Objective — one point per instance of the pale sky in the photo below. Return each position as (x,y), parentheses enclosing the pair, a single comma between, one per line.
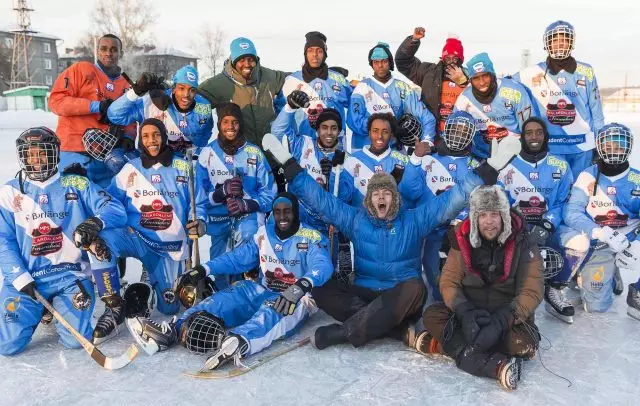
(608,32)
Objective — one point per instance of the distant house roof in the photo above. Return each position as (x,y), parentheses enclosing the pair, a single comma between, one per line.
(166,51)
(12,28)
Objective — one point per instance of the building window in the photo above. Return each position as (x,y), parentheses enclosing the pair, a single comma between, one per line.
(48,80)
(47,64)
(47,48)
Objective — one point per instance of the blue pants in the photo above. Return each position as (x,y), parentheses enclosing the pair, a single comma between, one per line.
(246,309)
(97,171)
(20,314)
(163,271)
(578,162)
(244,228)
(431,261)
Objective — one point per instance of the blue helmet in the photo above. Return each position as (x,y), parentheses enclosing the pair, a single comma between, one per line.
(559,30)
(614,133)
(459,130)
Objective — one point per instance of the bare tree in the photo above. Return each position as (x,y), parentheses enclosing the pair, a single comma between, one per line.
(128,19)
(5,64)
(210,48)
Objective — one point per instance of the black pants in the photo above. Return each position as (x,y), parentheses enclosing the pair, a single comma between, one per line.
(369,314)
(521,341)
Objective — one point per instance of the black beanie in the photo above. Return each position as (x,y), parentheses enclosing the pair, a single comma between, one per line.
(165,157)
(295,207)
(385,47)
(233,110)
(328,114)
(316,39)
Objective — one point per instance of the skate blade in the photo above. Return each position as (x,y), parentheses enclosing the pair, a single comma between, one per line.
(214,362)
(633,312)
(150,346)
(554,313)
(101,340)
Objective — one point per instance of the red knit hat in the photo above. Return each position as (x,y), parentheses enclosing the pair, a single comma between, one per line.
(453,46)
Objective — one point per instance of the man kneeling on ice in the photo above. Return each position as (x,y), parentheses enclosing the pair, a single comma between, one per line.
(387,242)
(491,285)
(248,316)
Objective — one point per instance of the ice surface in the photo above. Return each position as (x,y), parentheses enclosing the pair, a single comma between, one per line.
(599,353)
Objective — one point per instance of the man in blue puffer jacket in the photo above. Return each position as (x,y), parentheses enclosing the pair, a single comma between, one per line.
(387,290)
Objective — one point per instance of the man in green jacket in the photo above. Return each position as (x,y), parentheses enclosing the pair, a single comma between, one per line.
(249,85)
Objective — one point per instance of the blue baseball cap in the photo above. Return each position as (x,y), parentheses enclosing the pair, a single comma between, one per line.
(187,75)
(241,47)
(480,64)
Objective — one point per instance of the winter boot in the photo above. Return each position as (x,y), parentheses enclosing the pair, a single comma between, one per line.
(633,300)
(112,317)
(327,336)
(509,373)
(151,335)
(232,348)
(556,304)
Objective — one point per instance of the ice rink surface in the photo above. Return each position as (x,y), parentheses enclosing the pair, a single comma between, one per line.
(599,353)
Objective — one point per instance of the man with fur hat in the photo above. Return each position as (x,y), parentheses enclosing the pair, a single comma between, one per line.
(382,93)
(314,88)
(441,82)
(154,190)
(186,115)
(500,106)
(245,82)
(387,244)
(537,184)
(238,181)
(491,285)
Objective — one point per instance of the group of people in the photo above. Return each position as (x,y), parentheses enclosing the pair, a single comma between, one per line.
(484,191)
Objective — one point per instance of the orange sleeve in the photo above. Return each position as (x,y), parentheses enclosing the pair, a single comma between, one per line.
(64,100)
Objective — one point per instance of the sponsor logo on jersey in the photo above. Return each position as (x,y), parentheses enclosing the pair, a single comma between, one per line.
(180,165)
(302,246)
(562,80)
(181,179)
(46,239)
(534,176)
(556,175)
(17,203)
(508,106)
(11,306)
(453,167)
(279,280)
(168,295)
(43,199)
(510,94)
(252,161)
(611,190)
(486,108)
(335,87)
(156,216)
(634,178)
(71,196)
(562,113)
(581,83)
(378,168)
(508,178)
(204,109)
(317,86)
(81,301)
(228,159)
(635,192)
(385,95)
(131,180)
(585,71)
(76,181)
(278,247)
(156,178)
(109,87)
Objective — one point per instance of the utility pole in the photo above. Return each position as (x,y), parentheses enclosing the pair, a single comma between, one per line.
(21,39)
(524,59)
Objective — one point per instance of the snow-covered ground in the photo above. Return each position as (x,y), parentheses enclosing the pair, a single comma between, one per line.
(599,353)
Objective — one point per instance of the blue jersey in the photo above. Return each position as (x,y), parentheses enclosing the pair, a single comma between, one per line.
(184,129)
(36,227)
(282,262)
(333,92)
(537,190)
(569,103)
(361,166)
(215,166)
(615,203)
(396,97)
(503,116)
(158,204)
(440,173)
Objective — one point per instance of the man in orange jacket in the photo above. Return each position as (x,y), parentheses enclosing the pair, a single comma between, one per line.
(80,97)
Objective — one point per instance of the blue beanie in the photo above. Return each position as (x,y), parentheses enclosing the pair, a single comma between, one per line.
(241,47)
(379,52)
(480,64)
(187,75)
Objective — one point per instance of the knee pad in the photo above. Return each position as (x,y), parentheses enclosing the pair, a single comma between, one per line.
(596,282)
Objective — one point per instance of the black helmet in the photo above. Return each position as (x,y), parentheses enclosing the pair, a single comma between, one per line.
(38,151)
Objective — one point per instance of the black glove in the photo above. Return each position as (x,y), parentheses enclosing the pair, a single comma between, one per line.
(489,335)
(104,106)
(471,320)
(338,157)
(239,207)
(101,250)
(191,278)
(542,231)
(397,173)
(196,228)
(146,81)
(325,167)
(160,99)
(75,169)
(30,290)
(287,301)
(298,99)
(87,231)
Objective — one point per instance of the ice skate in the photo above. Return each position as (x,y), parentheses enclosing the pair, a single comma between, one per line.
(557,305)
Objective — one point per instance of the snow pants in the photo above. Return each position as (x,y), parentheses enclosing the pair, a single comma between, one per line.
(245,308)
(20,314)
(431,261)
(369,314)
(163,270)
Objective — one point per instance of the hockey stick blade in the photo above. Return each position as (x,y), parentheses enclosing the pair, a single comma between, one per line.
(238,370)
(97,355)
